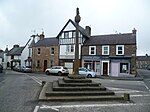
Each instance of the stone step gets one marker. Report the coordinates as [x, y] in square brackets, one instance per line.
[56, 87]
[69, 80]
[50, 92]
[82, 98]
[62, 83]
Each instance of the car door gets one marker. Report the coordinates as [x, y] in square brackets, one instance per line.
[52, 70]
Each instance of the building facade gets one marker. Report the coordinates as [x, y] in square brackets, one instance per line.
[111, 55]
[143, 62]
[45, 54]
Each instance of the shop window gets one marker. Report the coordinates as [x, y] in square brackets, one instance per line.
[124, 68]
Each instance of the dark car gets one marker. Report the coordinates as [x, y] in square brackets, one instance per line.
[1, 68]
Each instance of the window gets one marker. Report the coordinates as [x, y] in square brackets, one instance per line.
[73, 34]
[124, 68]
[12, 57]
[66, 34]
[51, 63]
[70, 48]
[38, 63]
[105, 50]
[92, 50]
[52, 51]
[120, 50]
[38, 50]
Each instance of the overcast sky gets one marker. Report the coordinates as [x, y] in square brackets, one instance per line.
[19, 19]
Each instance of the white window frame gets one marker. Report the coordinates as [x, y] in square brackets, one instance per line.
[103, 50]
[70, 48]
[90, 50]
[66, 34]
[117, 46]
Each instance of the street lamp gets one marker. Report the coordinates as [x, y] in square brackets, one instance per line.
[76, 61]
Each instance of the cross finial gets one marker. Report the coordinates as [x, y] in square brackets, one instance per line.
[77, 17]
[77, 11]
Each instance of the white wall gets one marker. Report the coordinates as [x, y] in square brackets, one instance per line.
[24, 55]
[70, 26]
[68, 55]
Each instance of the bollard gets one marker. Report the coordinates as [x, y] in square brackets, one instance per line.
[43, 83]
[126, 96]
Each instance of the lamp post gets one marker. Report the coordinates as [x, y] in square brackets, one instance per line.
[76, 61]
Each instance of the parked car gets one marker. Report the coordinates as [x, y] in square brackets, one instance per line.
[26, 69]
[86, 72]
[18, 68]
[59, 70]
[1, 68]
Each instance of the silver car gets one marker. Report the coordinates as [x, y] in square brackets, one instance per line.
[86, 72]
[59, 70]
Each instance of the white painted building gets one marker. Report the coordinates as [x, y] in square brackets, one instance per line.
[67, 38]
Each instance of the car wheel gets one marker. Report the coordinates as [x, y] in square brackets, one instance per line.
[59, 73]
[47, 72]
[89, 76]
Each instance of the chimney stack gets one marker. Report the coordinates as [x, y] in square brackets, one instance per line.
[134, 31]
[42, 36]
[88, 30]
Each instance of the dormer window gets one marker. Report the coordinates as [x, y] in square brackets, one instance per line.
[92, 50]
[119, 49]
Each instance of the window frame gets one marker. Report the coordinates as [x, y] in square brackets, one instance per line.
[38, 63]
[52, 51]
[70, 48]
[38, 51]
[103, 50]
[90, 50]
[66, 34]
[117, 50]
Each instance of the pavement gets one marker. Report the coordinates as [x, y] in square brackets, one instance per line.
[130, 77]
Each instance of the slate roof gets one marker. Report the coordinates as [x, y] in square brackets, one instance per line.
[111, 39]
[143, 58]
[81, 29]
[46, 42]
[16, 51]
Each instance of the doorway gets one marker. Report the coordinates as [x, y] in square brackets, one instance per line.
[45, 65]
[105, 68]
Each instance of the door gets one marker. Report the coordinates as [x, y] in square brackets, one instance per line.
[45, 65]
[97, 69]
[105, 68]
[115, 69]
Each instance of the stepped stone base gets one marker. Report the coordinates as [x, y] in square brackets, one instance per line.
[76, 89]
